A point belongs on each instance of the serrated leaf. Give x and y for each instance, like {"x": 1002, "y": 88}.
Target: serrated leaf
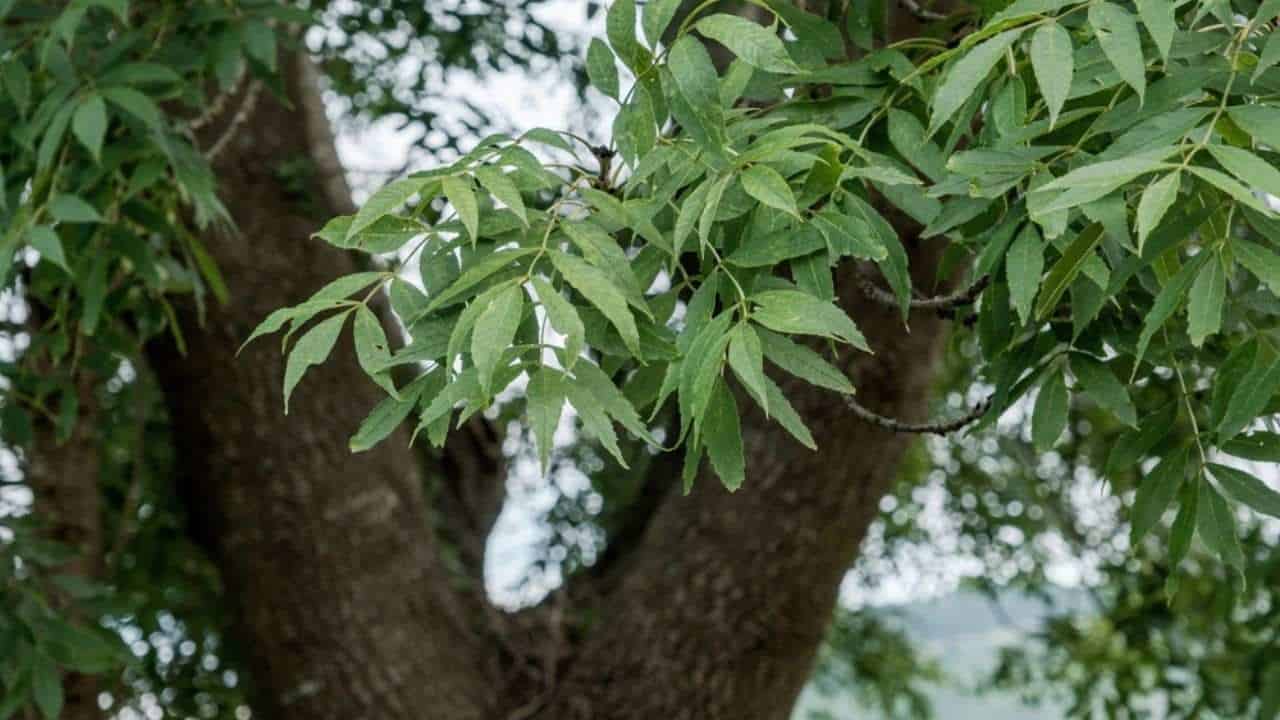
{"x": 769, "y": 187}
{"x": 1049, "y": 418}
{"x": 1157, "y": 16}
{"x": 1167, "y": 302}
{"x": 501, "y": 187}
{"x": 964, "y": 77}
{"x": 701, "y": 368}
{"x": 849, "y": 237}
{"x": 1253, "y": 170}
{"x": 544, "y": 402}
{"x": 755, "y": 44}
{"x": 1258, "y": 260}
{"x": 600, "y": 291}
{"x": 1270, "y": 56}
{"x": 1260, "y": 121}
{"x": 620, "y": 28}
{"x": 1053, "y": 62}
{"x": 769, "y": 249}
{"x": 601, "y": 69}
{"x": 1231, "y": 187}
{"x": 386, "y": 416}
{"x": 803, "y": 363}
{"x": 1155, "y": 492}
{"x": 657, "y": 16}
{"x": 494, "y": 331}
{"x": 1204, "y": 308}
{"x": 1065, "y": 270}
{"x": 722, "y": 436}
{"x": 695, "y": 78}
{"x": 1216, "y": 525}
{"x": 373, "y": 352}
{"x": 1103, "y": 387}
{"x": 312, "y": 348}
{"x": 462, "y": 196}
{"x": 746, "y": 358}
{"x": 1247, "y": 489}
{"x": 1249, "y": 400}
{"x": 1183, "y": 530}
{"x": 477, "y": 273}
{"x": 1156, "y": 200}
{"x": 384, "y": 201}
{"x": 792, "y": 311}
{"x": 1117, "y": 33}
{"x": 17, "y": 80}
{"x": 564, "y": 318}
{"x": 1024, "y": 264}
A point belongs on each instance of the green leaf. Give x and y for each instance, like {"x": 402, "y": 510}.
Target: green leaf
{"x": 1260, "y": 446}
{"x": 17, "y": 80}
{"x": 769, "y": 187}
{"x": 460, "y": 194}
{"x": 1157, "y": 16}
{"x": 701, "y": 368}
{"x": 478, "y": 272}
{"x": 544, "y": 402}
{"x": 1247, "y": 489}
{"x": 312, "y": 348}
{"x": 46, "y": 686}
{"x": 1103, "y": 387}
{"x": 1270, "y": 55}
{"x": 1065, "y": 270}
{"x": 46, "y": 241}
{"x": 1024, "y": 264}
{"x": 747, "y": 360}
{"x": 1049, "y": 418}
{"x": 620, "y": 28}
{"x": 373, "y": 352}
{"x": 69, "y": 208}
{"x": 962, "y": 80}
{"x": 1155, "y": 492}
{"x": 564, "y": 318}
{"x": 386, "y": 200}
{"x": 494, "y": 332}
{"x": 501, "y": 187}
{"x": 89, "y": 124}
{"x": 1260, "y": 121}
{"x": 1167, "y": 303}
{"x": 386, "y": 416}
{"x": 601, "y": 69}
{"x": 1258, "y": 260}
{"x": 1155, "y": 202}
{"x": 1217, "y": 527}
{"x": 657, "y": 16}
{"x": 600, "y": 291}
{"x": 793, "y": 311}
{"x": 1208, "y": 295}
{"x": 1117, "y": 33}
{"x": 803, "y": 363}
{"x": 722, "y": 435}
{"x": 260, "y": 42}
{"x": 1053, "y": 62}
{"x": 755, "y": 44}
{"x": 695, "y": 77}
{"x": 847, "y": 236}
{"x": 688, "y": 216}
{"x": 1249, "y": 400}
{"x": 1228, "y": 185}
{"x": 1254, "y": 171}
{"x": 769, "y": 249}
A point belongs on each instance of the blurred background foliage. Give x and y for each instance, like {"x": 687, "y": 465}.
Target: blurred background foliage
{"x": 983, "y": 512}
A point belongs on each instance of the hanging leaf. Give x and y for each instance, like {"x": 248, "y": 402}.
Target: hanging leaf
{"x": 722, "y": 435}
{"x": 601, "y": 69}
{"x": 1053, "y": 61}
{"x": 1049, "y": 418}
{"x": 755, "y": 44}
{"x": 1208, "y": 295}
{"x": 1024, "y": 265}
{"x": 1155, "y": 492}
{"x": 964, "y": 77}
{"x": 1117, "y": 33}
{"x": 1155, "y": 202}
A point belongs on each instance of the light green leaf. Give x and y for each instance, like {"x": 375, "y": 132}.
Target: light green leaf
{"x": 695, "y": 78}
{"x": 1155, "y": 202}
{"x": 386, "y": 200}
{"x": 769, "y": 249}
{"x": 462, "y": 196}
{"x": 722, "y": 435}
{"x": 1260, "y": 121}
{"x": 657, "y": 15}
{"x": 1208, "y": 295}
{"x": 747, "y": 360}
{"x": 501, "y": 187}
{"x": 1157, "y": 16}
{"x": 601, "y": 69}
{"x": 793, "y": 311}
{"x": 1264, "y": 264}
{"x": 701, "y": 368}
{"x": 1024, "y": 264}
{"x": 1117, "y": 33}
{"x": 1247, "y": 489}
{"x": 564, "y": 318}
{"x": 1053, "y": 62}
{"x": 544, "y": 402}
{"x": 494, "y": 331}
{"x": 1270, "y": 55}
{"x": 1257, "y": 173}
{"x": 964, "y": 77}
{"x": 803, "y": 362}
{"x": 478, "y": 272}
{"x": 620, "y": 28}
{"x": 1155, "y": 492}
{"x": 769, "y": 187}
{"x": 848, "y": 236}
{"x": 755, "y": 44}
{"x": 1049, "y": 417}
{"x": 386, "y": 416}
{"x": 600, "y": 291}
{"x": 312, "y": 348}
{"x": 1227, "y": 184}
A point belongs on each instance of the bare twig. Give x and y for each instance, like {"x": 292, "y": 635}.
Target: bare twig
{"x": 215, "y": 108}
{"x": 913, "y": 7}
{"x": 961, "y": 298}
{"x": 239, "y": 119}
{"x": 936, "y": 427}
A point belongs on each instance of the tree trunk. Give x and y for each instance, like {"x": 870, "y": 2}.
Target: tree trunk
{"x": 342, "y": 598}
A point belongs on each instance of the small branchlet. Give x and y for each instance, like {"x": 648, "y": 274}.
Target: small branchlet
{"x": 944, "y": 304}
{"x": 935, "y": 427}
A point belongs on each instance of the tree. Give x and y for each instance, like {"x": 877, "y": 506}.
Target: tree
{"x": 1058, "y": 179}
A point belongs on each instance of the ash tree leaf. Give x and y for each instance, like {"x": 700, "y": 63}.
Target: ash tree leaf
{"x": 965, "y": 75}
{"x": 1155, "y": 492}
{"x": 755, "y": 44}
{"x": 1157, "y": 16}
{"x": 1249, "y": 400}
{"x": 847, "y": 236}
{"x": 722, "y": 435}
{"x": 462, "y": 196}
{"x": 769, "y": 187}
{"x": 1208, "y": 295}
{"x": 656, "y": 17}
{"x": 1049, "y": 417}
{"x": 477, "y": 273}
{"x": 1250, "y": 168}
{"x": 312, "y": 348}
{"x": 1258, "y": 260}
{"x": 601, "y": 69}
{"x": 386, "y": 416}
{"x": 792, "y": 311}
{"x": 1216, "y": 525}
{"x": 502, "y": 188}
{"x": 1247, "y": 489}
{"x": 544, "y": 402}
{"x": 620, "y": 29}
{"x": 1270, "y": 55}
{"x": 1167, "y": 302}
{"x": 1024, "y": 264}
{"x": 600, "y": 291}
{"x": 769, "y": 249}
{"x": 17, "y": 80}
{"x": 1230, "y": 186}
{"x": 44, "y": 239}
{"x": 136, "y": 104}
{"x": 595, "y": 421}
{"x": 698, "y": 86}
{"x": 1156, "y": 200}
{"x": 803, "y": 363}
{"x": 701, "y": 367}
{"x": 89, "y": 124}
{"x": 1117, "y": 33}
{"x": 746, "y": 357}
{"x": 1065, "y": 270}
{"x": 494, "y": 332}
{"x": 68, "y": 208}
{"x": 1103, "y": 387}
{"x": 46, "y": 686}
{"x": 564, "y": 318}
{"x": 383, "y": 202}
{"x": 1053, "y": 63}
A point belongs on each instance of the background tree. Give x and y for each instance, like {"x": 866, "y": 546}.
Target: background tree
{"x": 166, "y": 163}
